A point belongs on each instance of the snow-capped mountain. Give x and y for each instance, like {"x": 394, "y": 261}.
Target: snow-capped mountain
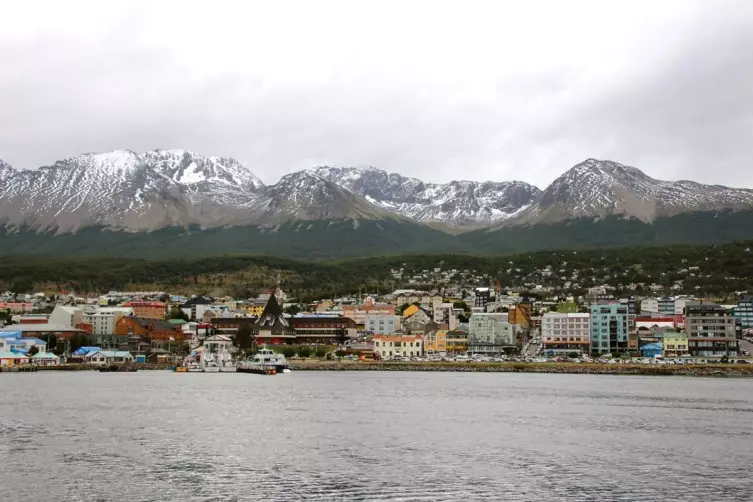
{"x": 304, "y": 195}
{"x": 162, "y": 188}
{"x": 597, "y": 188}
{"x": 123, "y": 189}
{"x": 457, "y": 203}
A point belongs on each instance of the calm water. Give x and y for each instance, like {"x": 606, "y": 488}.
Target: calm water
{"x": 374, "y": 436}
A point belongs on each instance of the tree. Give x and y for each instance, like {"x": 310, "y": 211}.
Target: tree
{"x": 32, "y": 350}
{"x": 340, "y": 353}
{"x": 402, "y": 308}
{"x": 78, "y": 340}
{"x": 244, "y": 338}
{"x": 461, "y": 305}
{"x": 321, "y": 351}
{"x": 177, "y": 313}
{"x": 292, "y": 310}
{"x": 304, "y": 351}
{"x": 288, "y": 351}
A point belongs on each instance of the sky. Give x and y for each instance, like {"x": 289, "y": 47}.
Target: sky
{"x": 432, "y": 89}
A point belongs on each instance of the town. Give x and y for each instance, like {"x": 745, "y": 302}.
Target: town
{"x": 458, "y": 322}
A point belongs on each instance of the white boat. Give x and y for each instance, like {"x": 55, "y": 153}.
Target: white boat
{"x": 263, "y": 360}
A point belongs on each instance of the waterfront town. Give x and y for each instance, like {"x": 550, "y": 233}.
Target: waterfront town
{"x": 458, "y": 323}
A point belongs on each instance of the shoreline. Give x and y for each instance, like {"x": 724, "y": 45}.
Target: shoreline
{"x": 705, "y": 370}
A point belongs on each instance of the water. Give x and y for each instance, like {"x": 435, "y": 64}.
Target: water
{"x": 156, "y": 436}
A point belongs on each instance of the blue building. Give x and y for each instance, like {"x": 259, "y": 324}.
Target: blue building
{"x": 744, "y": 311}
{"x": 610, "y": 328}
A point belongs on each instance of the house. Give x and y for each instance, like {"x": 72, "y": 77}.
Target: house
{"x": 390, "y": 346}
{"x": 419, "y": 315}
{"x": 102, "y": 357}
{"x": 45, "y": 359}
{"x": 104, "y": 319}
{"x": 256, "y": 307}
{"x": 10, "y": 359}
{"x": 675, "y": 344}
{"x": 195, "y": 307}
{"x": 457, "y": 341}
{"x": 652, "y": 349}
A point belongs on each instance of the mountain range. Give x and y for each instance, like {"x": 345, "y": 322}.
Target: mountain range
{"x": 176, "y": 192}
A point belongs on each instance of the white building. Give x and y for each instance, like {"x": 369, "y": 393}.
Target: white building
{"x": 100, "y": 357}
{"x": 444, "y": 313}
{"x": 650, "y": 305}
{"x": 382, "y": 324}
{"x": 566, "y": 333}
{"x": 103, "y": 320}
{"x": 388, "y": 347}
{"x": 65, "y": 315}
{"x": 489, "y": 333}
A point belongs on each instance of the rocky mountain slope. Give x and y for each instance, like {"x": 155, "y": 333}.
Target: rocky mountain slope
{"x": 164, "y": 188}
{"x": 595, "y": 189}
{"x": 123, "y": 190}
{"x": 457, "y": 203}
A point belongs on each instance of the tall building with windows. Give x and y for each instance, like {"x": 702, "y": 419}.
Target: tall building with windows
{"x": 610, "y": 328}
{"x": 711, "y": 330}
{"x": 744, "y": 311}
{"x": 383, "y": 324}
{"x": 565, "y": 333}
{"x": 489, "y": 333}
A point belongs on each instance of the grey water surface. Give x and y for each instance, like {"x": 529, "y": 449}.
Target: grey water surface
{"x": 157, "y": 436}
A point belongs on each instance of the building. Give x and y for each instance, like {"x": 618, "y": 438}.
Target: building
{"x": 444, "y": 313}
{"x": 481, "y": 297}
{"x": 272, "y": 326}
{"x": 255, "y": 307}
{"x": 457, "y": 341}
{"x": 148, "y": 310}
{"x": 34, "y": 319}
{"x": 744, "y": 311}
{"x": 520, "y": 314}
{"x": 652, "y": 349}
{"x": 322, "y": 328}
{"x": 17, "y": 307}
{"x": 102, "y": 357}
{"x": 420, "y": 316}
{"x": 229, "y": 325}
{"x": 66, "y": 316}
{"x": 611, "y": 325}
{"x": 45, "y": 359}
{"x": 10, "y": 359}
{"x": 489, "y": 333}
{"x": 650, "y": 305}
{"x": 359, "y": 312}
{"x": 382, "y": 324}
{"x": 153, "y": 329}
{"x": 39, "y": 330}
{"x": 103, "y": 320}
{"x": 435, "y": 342}
{"x": 563, "y": 333}
{"x": 711, "y": 331}
{"x": 666, "y": 305}
{"x": 391, "y": 346}
{"x": 675, "y": 344}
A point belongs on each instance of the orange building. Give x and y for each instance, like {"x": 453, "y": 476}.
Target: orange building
{"x": 149, "y": 310}
{"x": 151, "y": 328}
{"x": 520, "y": 315}
{"x": 359, "y": 312}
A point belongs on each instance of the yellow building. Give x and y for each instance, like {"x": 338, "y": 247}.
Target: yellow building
{"x": 457, "y": 341}
{"x": 675, "y": 344}
{"x": 410, "y": 311}
{"x": 435, "y": 342}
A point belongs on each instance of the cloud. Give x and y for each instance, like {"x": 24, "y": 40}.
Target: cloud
{"x": 435, "y": 90}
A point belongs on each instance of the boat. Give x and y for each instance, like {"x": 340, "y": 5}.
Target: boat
{"x": 215, "y": 356}
{"x": 265, "y": 362}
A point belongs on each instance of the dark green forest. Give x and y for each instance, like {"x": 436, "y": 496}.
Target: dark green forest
{"x": 717, "y": 269}
{"x": 330, "y": 240}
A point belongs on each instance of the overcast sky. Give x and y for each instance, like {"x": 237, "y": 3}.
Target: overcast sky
{"x": 437, "y": 90}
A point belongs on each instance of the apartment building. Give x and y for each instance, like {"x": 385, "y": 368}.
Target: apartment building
{"x": 563, "y": 333}
{"x": 610, "y": 328}
{"x": 390, "y": 346}
{"x": 711, "y": 330}
{"x": 489, "y": 333}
